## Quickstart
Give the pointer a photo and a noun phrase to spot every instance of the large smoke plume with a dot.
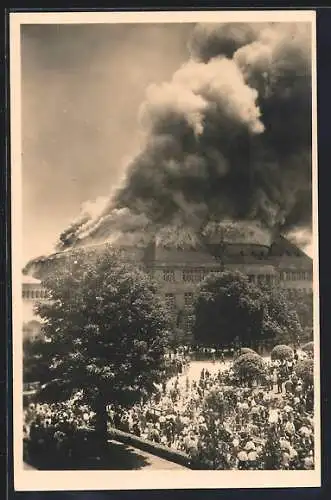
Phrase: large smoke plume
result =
(229, 137)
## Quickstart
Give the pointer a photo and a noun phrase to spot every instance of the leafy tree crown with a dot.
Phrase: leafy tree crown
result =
(106, 329)
(282, 352)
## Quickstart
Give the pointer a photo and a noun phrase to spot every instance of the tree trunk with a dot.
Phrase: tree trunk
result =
(101, 426)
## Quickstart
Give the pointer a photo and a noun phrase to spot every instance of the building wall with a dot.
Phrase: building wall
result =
(179, 271)
(31, 294)
(179, 274)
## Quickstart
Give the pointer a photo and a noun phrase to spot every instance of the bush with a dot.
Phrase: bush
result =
(308, 348)
(249, 367)
(245, 350)
(305, 370)
(282, 352)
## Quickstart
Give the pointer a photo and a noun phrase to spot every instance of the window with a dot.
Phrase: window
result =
(170, 301)
(188, 323)
(169, 275)
(188, 298)
(193, 275)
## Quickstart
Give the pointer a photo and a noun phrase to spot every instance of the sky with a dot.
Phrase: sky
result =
(82, 87)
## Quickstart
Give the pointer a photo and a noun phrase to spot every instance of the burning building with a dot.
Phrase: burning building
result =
(224, 169)
(179, 268)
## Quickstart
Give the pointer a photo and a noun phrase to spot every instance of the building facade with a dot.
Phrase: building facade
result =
(32, 292)
(179, 270)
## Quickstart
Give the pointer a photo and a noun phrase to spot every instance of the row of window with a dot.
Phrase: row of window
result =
(256, 253)
(294, 291)
(295, 275)
(34, 294)
(189, 275)
(194, 275)
(262, 278)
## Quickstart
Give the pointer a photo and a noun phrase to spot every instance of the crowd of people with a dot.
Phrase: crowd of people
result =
(217, 422)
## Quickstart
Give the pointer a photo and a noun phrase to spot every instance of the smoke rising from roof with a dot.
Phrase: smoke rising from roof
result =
(229, 137)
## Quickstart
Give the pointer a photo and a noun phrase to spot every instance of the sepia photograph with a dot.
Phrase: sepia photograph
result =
(164, 250)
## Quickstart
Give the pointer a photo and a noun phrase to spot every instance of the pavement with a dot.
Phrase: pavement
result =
(120, 457)
(193, 371)
(148, 460)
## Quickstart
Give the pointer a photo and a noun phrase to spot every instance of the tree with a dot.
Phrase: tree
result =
(282, 352)
(281, 320)
(308, 348)
(305, 370)
(302, 303)
(32, 360)
(228, 305)
(249, 367)
(245, 350)
(107, 332)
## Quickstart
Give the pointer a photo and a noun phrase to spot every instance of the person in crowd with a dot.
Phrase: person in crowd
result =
(296, 356)
(280, 381)
(213, 419)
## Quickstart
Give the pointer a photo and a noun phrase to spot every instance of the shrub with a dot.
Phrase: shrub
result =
(282, 352)
(249, 366)
(246, 350)
(305, 370)
(308, 348)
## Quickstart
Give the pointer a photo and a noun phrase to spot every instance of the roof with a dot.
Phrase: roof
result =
(282, 247)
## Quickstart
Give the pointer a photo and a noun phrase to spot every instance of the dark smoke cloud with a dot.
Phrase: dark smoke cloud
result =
(228, 138)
